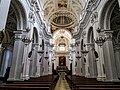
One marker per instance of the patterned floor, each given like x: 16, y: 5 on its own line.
x: 62, y: 84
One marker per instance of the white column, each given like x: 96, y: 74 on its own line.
x: 87, y: 74
x: 73, y: 62
x: 117, y: 58
x: 4, y: 9
x: 46, y: 54
x: 100, y: 63
x: 91, y: 60
x: 50, y: 62
x: 26, y: 63
x: 88, y: 57
x: 110, y: 66
x: 16, y: 64
x: 7, y: 56
x: 34, y: 60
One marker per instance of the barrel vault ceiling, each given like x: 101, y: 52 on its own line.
x: 62, y: 14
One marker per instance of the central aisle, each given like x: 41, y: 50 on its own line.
x: 62, y: 84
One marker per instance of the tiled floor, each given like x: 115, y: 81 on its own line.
x: 62, y: 84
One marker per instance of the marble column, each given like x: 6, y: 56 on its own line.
x: 91, y: 61
x: 7, y: 56
x: 46, y: 59
x: 73, y: 61
x: 117, y: 58
x: 26, y: 63
x: 78, y: 59
x: 16, y: 64
x: 110, y: 67
x: 4, y: 9
x: 100, y: 65
x: 50, y: 62
x: 83, y: 65
x: 50, y: 59
x: 34, y: 60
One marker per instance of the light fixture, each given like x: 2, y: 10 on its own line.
x: 70, y: 58
x: 78, y: 57
x: 46, y: 57
x: 100, y: 39
x: 26, y: 40
x: 40, y: 52
x: 84, y: 52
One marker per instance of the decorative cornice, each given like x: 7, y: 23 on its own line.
x: 90, y: 7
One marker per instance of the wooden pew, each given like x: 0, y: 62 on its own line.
x: 43, y: 83
x: 82, y: 83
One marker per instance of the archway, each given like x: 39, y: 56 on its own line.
x: 62, y: 40
x: 109, y: 22
x: 115, y: 27
x: 16, y: 20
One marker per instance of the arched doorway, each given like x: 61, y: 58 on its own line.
x: 11, y: 60
x: 62, y: 61
x: 115, y: 27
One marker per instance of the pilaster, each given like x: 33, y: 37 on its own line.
x: 74, y: 60
x: 111, y: 73
x: 16, y: 64
x: 7, y: 56
x: 117, y: 58
x: 34, y: 60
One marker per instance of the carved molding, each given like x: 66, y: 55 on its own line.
x: 92, y: 5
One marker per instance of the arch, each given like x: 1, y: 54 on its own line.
x: 106, y: 14
x: 62, y: 32
x: 20, y: 14
x: 90, y: 36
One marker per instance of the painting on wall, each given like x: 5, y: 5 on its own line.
x: 62, y: 61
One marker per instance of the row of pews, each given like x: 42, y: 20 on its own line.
x: 47, y: 82
x: 82, y: 83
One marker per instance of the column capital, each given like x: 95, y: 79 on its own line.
x: 18, y: 34
x: 35, y: 44
x: 108, y: 35
x: 90, y: 45
x: 117, y: 47
x: 73, y: 51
